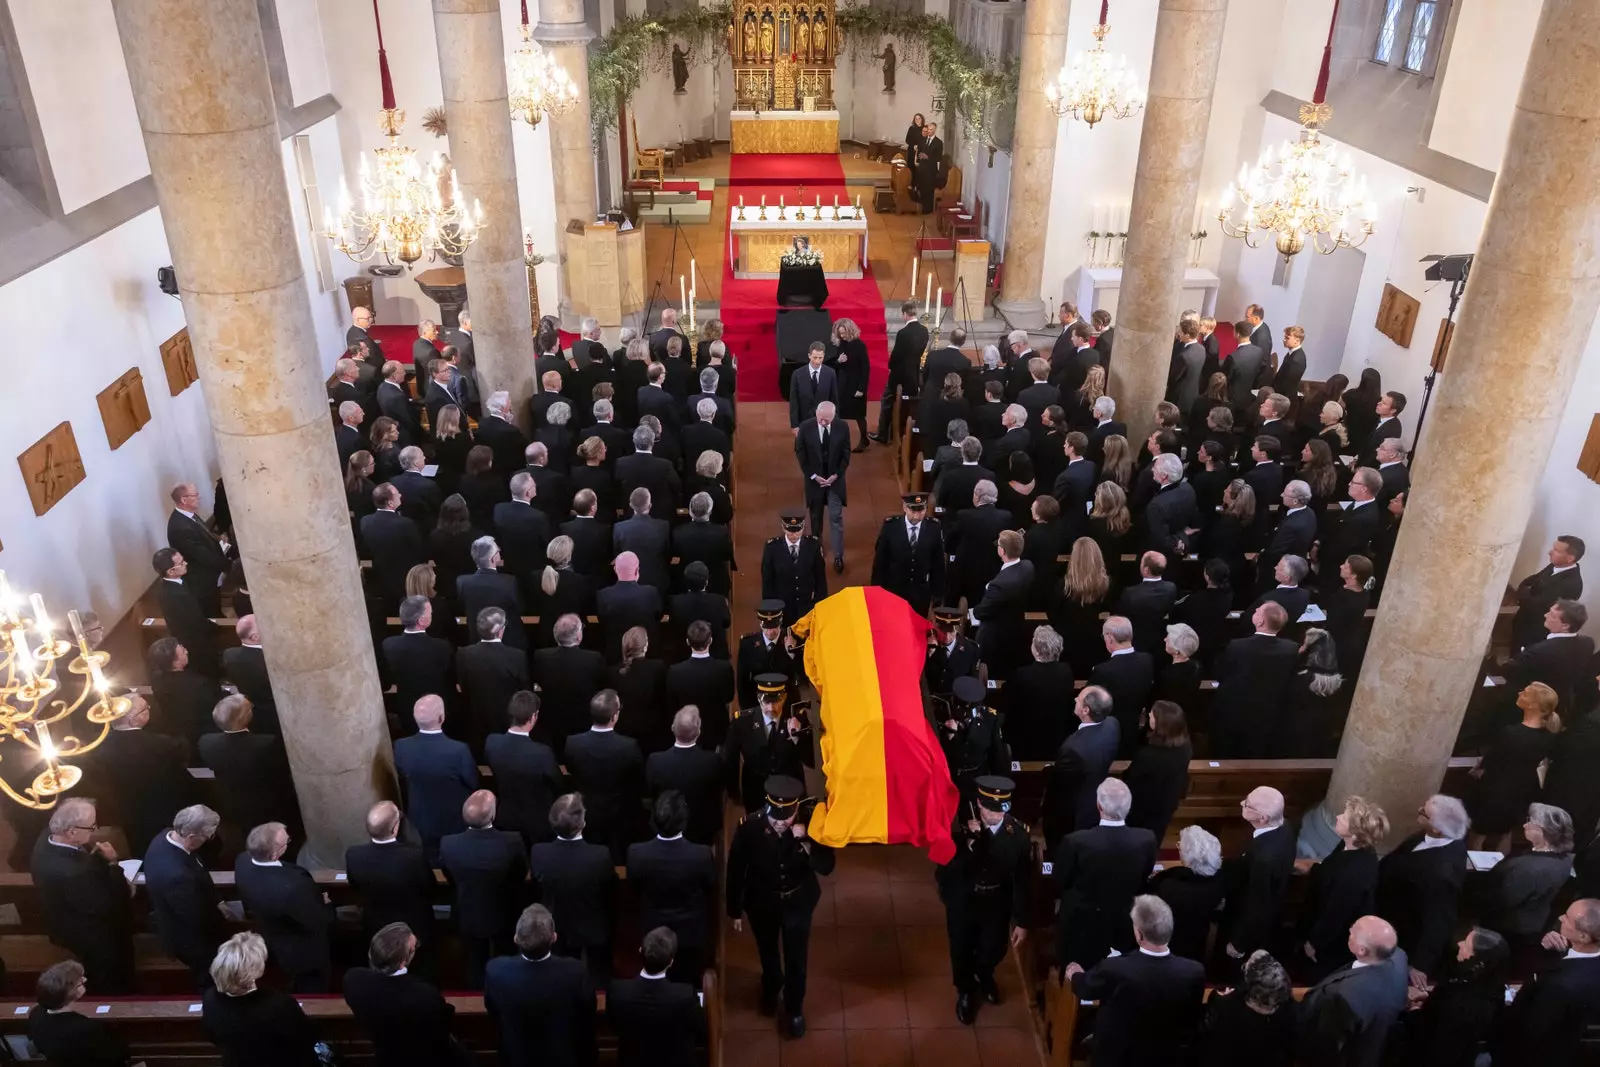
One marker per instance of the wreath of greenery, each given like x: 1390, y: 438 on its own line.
x: 976, y: 88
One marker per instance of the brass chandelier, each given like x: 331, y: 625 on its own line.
x: 538, y: 85
x: 405, y: 212
x: 1097, y: 85
x: 30, y: 711
x: 1303, y: 193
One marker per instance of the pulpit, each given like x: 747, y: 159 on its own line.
x: 447, y: 287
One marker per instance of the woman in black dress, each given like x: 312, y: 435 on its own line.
x: 1179, y: 680
x: 1232, y: 535
x: 1079, y: 405
x: 1110, y: 525
x: 1332, y: 431
x: 1462, y: 1006
x: 641, y: 684
x: 1508, y: 775
x: 1074, y: 606
x: 1340, y: 890
x: 1020, y: 488
x: 593, y: 474
x: 482, y: 487
x: 914, y: 142
x: 1193, y: 891
x: 1346, y: 608
x: 450, y: 543
x: 1318, y: 471
x: 562, y: 590
x: 854, y: 369
x: 252, y: 1026
x: 1158, y: 774
x: 358, y: 487
x: 384, y: 439
x: 452, y: 441
x: 423, y: 580
x: 1043, y: 543
x: 710, y: 330
x: 1205, y: 611
x: 1116, y: 464
x: 1360, y: 407
x: 556, y: 436
x: 710, y: 478
x: 1209, y: 477
x: 1253, y: 1023
x: 1310, y: 727
x: 951, y: 403
x: 1518, y: 893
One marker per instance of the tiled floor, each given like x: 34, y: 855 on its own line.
x: 879, y: 992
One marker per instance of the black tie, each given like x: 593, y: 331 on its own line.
x: 794, y: 551
x: 915, y: 528
x: 772, y: 731
x: 822, y: 438
x: 814, y: 378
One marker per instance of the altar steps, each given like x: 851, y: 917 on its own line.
x: 685, y: 200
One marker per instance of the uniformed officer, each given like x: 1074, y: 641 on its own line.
x: 765, y: 651
x: 772, y: 879
x: 792, y: 568
x: 762, y: 742
x: 971, y: 737
x: 951, y: 655
x: 909, y: 557
x: 985, y: 895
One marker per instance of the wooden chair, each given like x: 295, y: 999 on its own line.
x: 951, y: 193
x: 649, y: 164
x: 900, y: 184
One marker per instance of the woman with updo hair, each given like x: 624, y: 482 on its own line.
x: 1508, y: 774
x: 1341, y: 889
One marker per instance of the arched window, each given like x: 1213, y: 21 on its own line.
x: 1421, y: 33
x: 1383, y: 50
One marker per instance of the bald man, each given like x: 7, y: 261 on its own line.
x: 1344, y: 1019
x: 489, y: 871
x: 209, y: 556
x: 1256, y: 880
x: 436, y: 774
x: 1546, y: 1022
x: 627, y: 603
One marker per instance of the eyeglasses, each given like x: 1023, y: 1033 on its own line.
x: 85, y: 829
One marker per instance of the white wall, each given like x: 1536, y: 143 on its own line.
x: 79, y: 82
x: 302, y: 49
x: 1479, y: 92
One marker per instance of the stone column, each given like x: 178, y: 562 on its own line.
x: 1033, y: 165
x: 200, y: 86
x: 472, y: 70
x: 565, y: 35
x: 1466, y: 516
x: 1172, y: 146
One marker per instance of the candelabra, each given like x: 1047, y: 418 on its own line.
x: 536, y: 84
x: 1096, y: 85
x: 30, y: 710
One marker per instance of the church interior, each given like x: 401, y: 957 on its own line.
x: 1304, y: 290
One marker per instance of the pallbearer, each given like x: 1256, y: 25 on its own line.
x: 768, y: 650
x: 984, y: 890
x: 763, y: 741
x: 792, y: 568
x: 772, y: 879
x: 971, y: 736
x: 909, y: 558
x: 951, y: 655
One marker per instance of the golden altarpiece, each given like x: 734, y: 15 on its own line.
x: 783, y: 55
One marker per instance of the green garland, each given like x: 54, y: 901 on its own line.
x: 637, y: 44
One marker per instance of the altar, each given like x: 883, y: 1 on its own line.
x: 756, y: 246
x: 775, y: 132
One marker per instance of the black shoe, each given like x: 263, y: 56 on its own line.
x: 838, y: 564
x: 769, y: 1005
x: 797, y: 1025
x: 966, y: 1010
x: 877, y: 438
x: 862, y: 447
x: 991, y: 992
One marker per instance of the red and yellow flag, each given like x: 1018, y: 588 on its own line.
x: 888, y: 782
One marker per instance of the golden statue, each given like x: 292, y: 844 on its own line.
x: 766, y: 38
x: 819, y: 38
x: 749, y: 36
x: 802, y: 37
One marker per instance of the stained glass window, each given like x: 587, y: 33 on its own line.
x: 1385, y: 46
x: 1421, y: 30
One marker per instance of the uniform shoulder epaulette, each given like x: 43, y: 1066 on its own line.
x: 990, y: 710
x: 773, y: 540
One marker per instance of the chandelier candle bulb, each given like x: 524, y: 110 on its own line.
x: 47, y: 745
x: 683, y: 298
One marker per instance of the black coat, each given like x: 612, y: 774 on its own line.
x: 971, y: 540
x: 608, y: 769
x: 854, y: 373
x: 1158, y: 777
x: 522, y: 532
x: 910, y: 341
x: 288, y: 909
x: 407, y: 1020
x: 1234, y: 1033
x: 577, y: 882
x: 527, y: 780
x: 184, y: 900
x: 395, y: 884
x: 1146, y: 606
x: 1418, y: 892
x: 799, y: 581
x: 675, y: 883
x: 1037, y: 716
x: 805, y: 394
x: 1347, y: 1016
x: 1341, y: 889
x: 642, y: 688
x: 187, y: 621
x: 437, y: 774
x: 184, y: 701
x: 493, y: 589
x: 508, y: 443
x: 646, y: 470
x: 490, y: 673
x: 148, y: 774
x: 544, y: 1009
x: 697, y: 773
x: 709, y: 543
x: 1098, y: 872
x: 1243, y: 366
x: 686, y: 608
x: 489, y: 871
x: 658, y: 1023
x: 1562, y: 663
x: 1535, y: 594
x: 1256, y: 883
x: 591, y: 545
x: 751, y: 754
x: 1135, y: 991
x: 1194, y: 899
x: 205, y: 555
x: 1253, y: 675
x: 68, y: 1039
x: 1081, y: 765
x: 624, y: 605
x: 823, y: 460
x: 1499, y: 799
x: 1550, y: 1016
x: 252, y: 778
x: 395, y: 545
x: 1129, y: 678
x: 651, y: 540
x: 707, y: 683
x: 85, y: 903
x: 567, y: 678
x: 419, y: 665
x: 262, y: 1028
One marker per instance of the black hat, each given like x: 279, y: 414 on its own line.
x: 994, y: 792
x: 793, y: 521
x: 771, y: 682
x: 915, y: 501
x: 770, y: 611
x: 969, y: 691
x: 783, y: 795
x: 949, y: 616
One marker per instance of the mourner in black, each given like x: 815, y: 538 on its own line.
x: 182, y: 894
x: 658, y: 1021
x: 85, y: 896
x: 407, y: 1019
x: 65, y: 1037
x: 909, y: 557
x: 772, y: 880
x: 577, y: 881
x: 984, y: 889
x: 290, y: 909
x: 792, y: 568
x: 1562, y: 579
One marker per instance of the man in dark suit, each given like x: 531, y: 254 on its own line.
x: 952, y: 492
x: 675, y: 883
x: 643, y: 469
x: 905, y: 358
x: 392, y: 878
x: 416, y: 662
x: 1256, y: 881
x: 658, y: 1021
x: 792, y: 568
x: 987, y: 416
x: 669, y: 329
x: 292, y: 913
x: 1560, y: 579
x: 567, y: 676
x: 696, y: 605
x: 909, y: 557
x: 1146, y: 605
x: 85, y: 897
x: 1128, y: 675
x: 549, y: 394
x: 1253, y: 679
x: 702, y: 434
x: 185, y: 697
x: 1292, y: 367
x: 653, y: 398
x: 552, y: 490
x: 1072, y: 356
x: 1295, y: 533
x: 437, y: 773
x: 1274, y: 416
x: 1171, y: 511
x: 694, y: 772
x: 577, y: 880
x: 648, y: 538
x: 618, y: 441
x: 542, y: 1003
x: 394, y: 400
x: 522, y: 529
x: 971, y: 543
x: 488, y: 870
x: 1390, y: 457
x: 497, y: 430
x: 1388, y: 410
x: 459, y: 337
x: 209, y: 557
x: 1188, y: 362
x: 186, y: 619
x: 347, y: 435
x: 1105, y: 335
x: 822, y: 447
x: 252, y: 771
x: 1098, y: 872
x: 1260, y: 332
x: 1001, y: 611
x: 394, y: 544
x: 1034, y: 728
x: 941, y: 363
x: 709, y: 543
x: 1039, y: 393
x: 527, y: 778
x: 1561, y: 660
x: 1265, y: 478
x: 1014, y: 437
x: 702, y: 680
x: 64, y: 1036
x: 148, y: 774
x: 489, y: 587
x: 1150, y: 1000
x: 607, y: 768
x: 810, y: 385
x: 1351, y: 531
x: 420, y: 496
x: 490, y: 672
x: 627, y: 603
x: 360, y: 332
x: 724, y: 416
x: 591, y: 537
x: 424, y: 348
x: 1244, y: 365
x: 407, y: 1019
x: 1081, y: 764
x: 1549, y: 1019
x: 182, y: 894
x: 1074, y: 486
x: 1105, y: 425
x: 440, y: 392
x: 1345, y: 1018
x: 1289, y: 593
x: 1419, y: 884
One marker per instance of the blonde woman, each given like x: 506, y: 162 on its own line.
x: 641, y: 685
x: 452, y: 442
x: 1109, y: 522
x: 1080, y: 406
x: 423, y: 580
x: 249, y: 1024
x: 710, y: 330
x: 562, y: 590
x: 855, y: 373
x: 1117, y: 466
x: 1341, y: 888
x: 1075, y: 605
x: 1508, y: 775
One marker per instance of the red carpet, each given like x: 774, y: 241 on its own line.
x: 749, y: 308
x: 397, y: 340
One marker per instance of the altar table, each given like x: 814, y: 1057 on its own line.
x: 772, y: 132
x: 756, y: 248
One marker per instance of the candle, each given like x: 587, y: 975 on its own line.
x: 913, y: 276
x: 683, y: 298
x: 5, y: 598
x: 77, y: 632
x: 97, y: 679
x: 938, y: 309
x: 24, y: 656
x: 41, y: 621
x: 927, y: 292
x: 47, y: 747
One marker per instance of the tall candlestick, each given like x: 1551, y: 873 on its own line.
x: 927, y: 293
x: 938, y: 309
x: 914, y: 276
x: 683, y: 296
